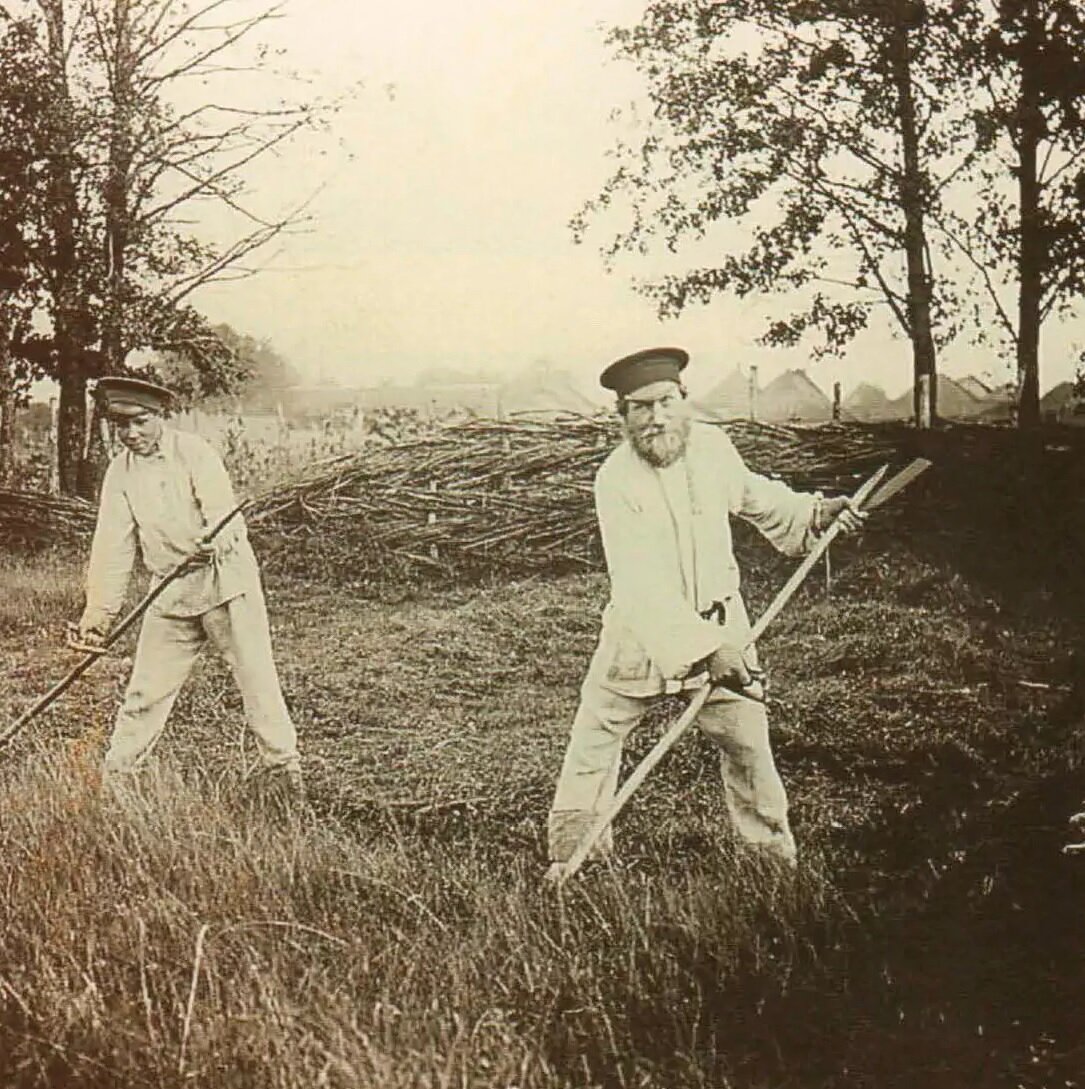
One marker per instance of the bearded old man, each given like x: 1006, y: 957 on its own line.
x: 675, y: 620
x: 161, y: 496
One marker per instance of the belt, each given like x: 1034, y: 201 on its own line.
x: 716, y: 611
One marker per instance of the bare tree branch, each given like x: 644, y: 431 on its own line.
x: 158, y: 44
x: 209, y: 184
x: 985, y: 274
x: 241, y: 30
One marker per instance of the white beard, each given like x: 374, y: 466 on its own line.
x: 663, y: 449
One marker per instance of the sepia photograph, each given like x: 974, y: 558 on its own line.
x: 542, y: 544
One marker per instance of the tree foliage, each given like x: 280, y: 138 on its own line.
x: 151, y: 124
x: 809, y: 126
x: 251, y: 368
x: 1023, y: 230
x: 22, y: 144
x: 911, y: 158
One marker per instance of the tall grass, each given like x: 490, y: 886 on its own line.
x: 187, y: 939
x: 39, y: 589
x: 195, y: 938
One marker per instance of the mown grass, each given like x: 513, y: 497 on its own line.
x: 401, y: 936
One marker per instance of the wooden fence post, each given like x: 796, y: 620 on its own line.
x: 925, y: 414
x: 431, y: 519
x: 54, y: 432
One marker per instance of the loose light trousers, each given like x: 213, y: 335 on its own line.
x: 166, y: 651
x: 752, y: 789
x: 753, y: 792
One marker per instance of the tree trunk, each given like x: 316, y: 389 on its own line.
x: 1032, y: 254
x: 117, y: 239
x: 924, y: 360
x: 69, y: 324
x: 53, y: 486
x: 7, y: 393
x: 95, y: 459
x: 7, y: 416
x: 7, y: 440
x: 71, y: 430
x: 118, y: 180
x: 118, y: 219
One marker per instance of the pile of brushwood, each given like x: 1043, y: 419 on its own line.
x: 494, y: 498
x: 485, y: 497
x: 33, y: 518
x: 502, y: 498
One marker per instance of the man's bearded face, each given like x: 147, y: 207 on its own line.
x: 656, y: 423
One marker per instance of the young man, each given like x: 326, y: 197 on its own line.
x: 162, y: 495
x: 664, y: 498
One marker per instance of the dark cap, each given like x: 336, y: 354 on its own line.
x: 129, y: 396
x: 629, y: 373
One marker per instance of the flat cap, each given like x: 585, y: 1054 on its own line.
x: 127, y: 396
x: 642, y: 368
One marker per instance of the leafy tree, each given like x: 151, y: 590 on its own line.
x: 126, y: 167
x: 1026, y: 225
x: 62, y: 257
x: 22, y: 108
x: 159, y: 161
x: 820, y: 126
x: 245, y: 366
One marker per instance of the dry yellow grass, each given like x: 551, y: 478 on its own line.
x: 37, y: 591
x: 401, y: 938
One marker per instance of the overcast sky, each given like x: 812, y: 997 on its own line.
x: 440, y: 232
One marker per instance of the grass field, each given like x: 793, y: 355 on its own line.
x: 401, y: 937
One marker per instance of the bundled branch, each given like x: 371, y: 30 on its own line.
x: 482, y: 498
x: 512, y: 497
x: 33, y: 518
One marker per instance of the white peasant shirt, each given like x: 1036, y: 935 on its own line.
x: 667, y: 538
x: 161, y: 505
